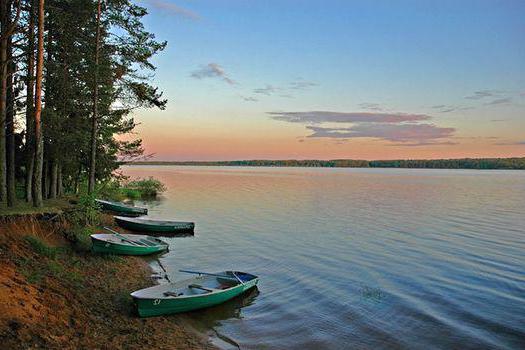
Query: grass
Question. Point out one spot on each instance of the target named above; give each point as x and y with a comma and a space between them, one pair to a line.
42, 248
51, 206
51, 262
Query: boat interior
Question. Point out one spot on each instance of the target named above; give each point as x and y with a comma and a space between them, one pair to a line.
128, 239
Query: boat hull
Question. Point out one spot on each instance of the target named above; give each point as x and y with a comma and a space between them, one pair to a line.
122, 209
183, 227
100, 246
148, 307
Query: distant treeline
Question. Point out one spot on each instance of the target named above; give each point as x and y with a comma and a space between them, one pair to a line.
465, 163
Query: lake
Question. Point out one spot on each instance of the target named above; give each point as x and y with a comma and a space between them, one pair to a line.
354, 258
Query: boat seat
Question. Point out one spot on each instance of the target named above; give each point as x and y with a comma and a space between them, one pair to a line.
197, 286
146, 242
172, 294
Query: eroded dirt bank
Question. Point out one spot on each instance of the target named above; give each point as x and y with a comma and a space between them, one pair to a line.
56, 294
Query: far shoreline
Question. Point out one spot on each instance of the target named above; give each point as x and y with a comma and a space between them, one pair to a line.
515, 163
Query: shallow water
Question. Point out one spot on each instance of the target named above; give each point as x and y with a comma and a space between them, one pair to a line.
355, 258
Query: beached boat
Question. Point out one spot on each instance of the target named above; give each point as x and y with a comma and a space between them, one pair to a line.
125, 244
205, 290
121, 208
158, 226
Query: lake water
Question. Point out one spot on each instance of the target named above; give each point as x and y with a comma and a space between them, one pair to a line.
354, 258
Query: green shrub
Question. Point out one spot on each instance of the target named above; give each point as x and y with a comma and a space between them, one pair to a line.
111, 190
79, 236
147, 188
120, 188
131, 193
87, 211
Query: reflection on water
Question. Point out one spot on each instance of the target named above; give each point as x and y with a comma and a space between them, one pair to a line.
355, 258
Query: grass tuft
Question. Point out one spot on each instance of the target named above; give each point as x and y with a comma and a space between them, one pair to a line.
41, 248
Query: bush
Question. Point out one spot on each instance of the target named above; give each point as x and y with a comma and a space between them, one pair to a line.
86, 213
120, 189
79, 236
111, 190
147, 188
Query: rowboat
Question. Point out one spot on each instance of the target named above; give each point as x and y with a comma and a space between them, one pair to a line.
125, 244
202, 291
122, 208
150, 225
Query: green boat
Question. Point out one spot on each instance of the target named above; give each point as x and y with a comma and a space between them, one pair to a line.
121, 208
150, 225
125, 244
205, 290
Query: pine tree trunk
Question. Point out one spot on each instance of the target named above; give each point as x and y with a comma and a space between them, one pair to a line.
10, 127
60, 186
30, 85
39, 147
94, 126
3, 92
45, 179
77, 178
53, 179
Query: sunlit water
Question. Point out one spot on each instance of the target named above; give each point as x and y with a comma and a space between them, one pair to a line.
355, 258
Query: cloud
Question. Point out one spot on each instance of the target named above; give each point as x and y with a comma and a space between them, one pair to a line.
449, 108
317, 117
401, 129
412, 134
301, 84
284, 91
249, 98
518, 143
267, 90
212, 70
371, 106
172, 9
478, 95
500, 101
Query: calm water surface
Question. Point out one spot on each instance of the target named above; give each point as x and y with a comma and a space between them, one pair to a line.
355, 258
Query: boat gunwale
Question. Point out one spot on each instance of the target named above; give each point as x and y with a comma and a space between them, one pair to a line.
152, 222
123, 205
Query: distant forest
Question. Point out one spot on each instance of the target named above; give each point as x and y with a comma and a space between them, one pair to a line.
465, 163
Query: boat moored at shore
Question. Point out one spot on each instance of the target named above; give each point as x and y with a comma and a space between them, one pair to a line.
154, 226
121, 208
205, 290
127, 244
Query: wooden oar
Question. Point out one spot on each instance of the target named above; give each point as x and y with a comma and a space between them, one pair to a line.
212, 274
123, 238
238, 279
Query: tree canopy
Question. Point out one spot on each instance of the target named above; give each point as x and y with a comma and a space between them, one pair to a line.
96, 70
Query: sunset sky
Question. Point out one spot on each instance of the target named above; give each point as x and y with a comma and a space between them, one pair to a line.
249, 79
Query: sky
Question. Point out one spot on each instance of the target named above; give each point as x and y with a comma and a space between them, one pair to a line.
300, 79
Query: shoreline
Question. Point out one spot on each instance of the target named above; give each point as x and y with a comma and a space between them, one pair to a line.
511, 163
55, 293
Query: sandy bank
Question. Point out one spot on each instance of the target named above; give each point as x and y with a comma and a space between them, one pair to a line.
56, 294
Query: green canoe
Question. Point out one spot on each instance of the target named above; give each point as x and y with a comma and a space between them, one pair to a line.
159, 226
121, 208
191, 294
125, 244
